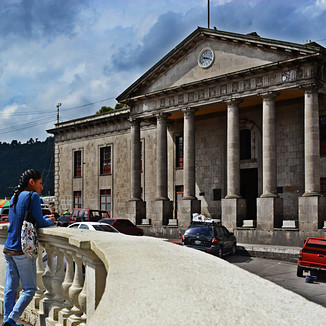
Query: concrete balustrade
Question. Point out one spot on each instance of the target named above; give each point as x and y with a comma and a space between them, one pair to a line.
146, 281
72, 282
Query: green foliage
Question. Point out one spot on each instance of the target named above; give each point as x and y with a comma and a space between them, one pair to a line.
105, 109
15, 158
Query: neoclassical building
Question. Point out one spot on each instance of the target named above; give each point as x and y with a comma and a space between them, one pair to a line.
228, 125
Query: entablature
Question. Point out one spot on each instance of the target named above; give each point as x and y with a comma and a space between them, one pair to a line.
278, 77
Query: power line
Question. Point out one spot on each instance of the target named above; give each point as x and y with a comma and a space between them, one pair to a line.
26, 125
42, 111
47, 118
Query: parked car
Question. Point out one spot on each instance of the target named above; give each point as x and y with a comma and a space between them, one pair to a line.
86, 214
4, 211
312, 256
94, 226
123, 225
210, 237
62, 220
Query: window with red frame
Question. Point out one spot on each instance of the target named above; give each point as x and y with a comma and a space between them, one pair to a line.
105, 200
77, 164
77, 199
105, 160
178, 197
322, 126
179, 151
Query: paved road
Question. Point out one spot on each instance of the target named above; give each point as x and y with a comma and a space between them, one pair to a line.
284, 274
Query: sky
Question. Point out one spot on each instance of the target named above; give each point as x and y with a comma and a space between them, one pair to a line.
85, 53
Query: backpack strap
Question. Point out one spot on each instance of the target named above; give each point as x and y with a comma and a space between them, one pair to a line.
29, 209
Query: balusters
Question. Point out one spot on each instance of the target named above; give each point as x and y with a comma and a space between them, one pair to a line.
74, 291
57, 281
39, 273
69, 277
49, 294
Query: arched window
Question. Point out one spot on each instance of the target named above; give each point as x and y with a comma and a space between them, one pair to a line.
245, 144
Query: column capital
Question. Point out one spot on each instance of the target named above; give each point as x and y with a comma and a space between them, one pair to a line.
161, 115
269, 95
189, 110
134, 121
310, 88
233, 101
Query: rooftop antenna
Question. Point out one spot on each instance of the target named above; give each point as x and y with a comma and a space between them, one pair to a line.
58, 106
208, 11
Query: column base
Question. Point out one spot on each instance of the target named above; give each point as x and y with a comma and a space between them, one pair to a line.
312, 210
186, 207
136, 211
162, 212
233, 212
269, 213
311, 194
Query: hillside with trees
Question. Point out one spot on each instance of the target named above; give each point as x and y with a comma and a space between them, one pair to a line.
16, 157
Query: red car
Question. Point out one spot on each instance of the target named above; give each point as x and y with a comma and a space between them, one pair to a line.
123, 225
87, 215
312, 256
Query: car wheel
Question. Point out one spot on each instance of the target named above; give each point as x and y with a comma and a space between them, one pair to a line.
300, 271
220, 252
234, 249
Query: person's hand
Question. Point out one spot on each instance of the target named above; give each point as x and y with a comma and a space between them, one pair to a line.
52, 218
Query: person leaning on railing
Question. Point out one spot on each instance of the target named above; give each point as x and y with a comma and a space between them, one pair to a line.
18, 265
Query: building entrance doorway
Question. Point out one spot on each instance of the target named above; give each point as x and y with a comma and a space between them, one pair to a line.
249, 191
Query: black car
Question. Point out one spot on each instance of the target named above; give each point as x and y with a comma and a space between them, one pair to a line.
210, 237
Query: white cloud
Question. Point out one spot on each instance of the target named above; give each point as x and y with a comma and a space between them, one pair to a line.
79, 51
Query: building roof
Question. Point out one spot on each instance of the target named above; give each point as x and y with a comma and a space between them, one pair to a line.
253, 39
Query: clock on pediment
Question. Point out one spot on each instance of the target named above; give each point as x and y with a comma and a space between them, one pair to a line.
206, 58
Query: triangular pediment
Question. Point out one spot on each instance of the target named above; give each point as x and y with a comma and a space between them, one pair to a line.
229, 52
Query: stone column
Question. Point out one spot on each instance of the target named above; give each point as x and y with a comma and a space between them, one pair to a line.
233, 150
269, 206
269, 147
233, 206
161, 160
162, 212
189, 203
311, 142
311, 205
189, 154
135, 160
136, 207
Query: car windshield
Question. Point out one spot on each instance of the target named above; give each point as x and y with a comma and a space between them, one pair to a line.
206, 231
106, 228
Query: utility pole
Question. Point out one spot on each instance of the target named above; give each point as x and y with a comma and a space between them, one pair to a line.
208, 4
58, 106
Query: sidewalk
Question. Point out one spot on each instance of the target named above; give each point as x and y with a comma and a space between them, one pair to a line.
269, 251
264, 251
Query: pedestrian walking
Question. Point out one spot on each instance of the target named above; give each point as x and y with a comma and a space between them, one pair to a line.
18, 265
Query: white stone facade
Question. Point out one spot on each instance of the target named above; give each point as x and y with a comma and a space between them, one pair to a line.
274, 91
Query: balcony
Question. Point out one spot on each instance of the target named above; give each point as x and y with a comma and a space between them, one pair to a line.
99, 278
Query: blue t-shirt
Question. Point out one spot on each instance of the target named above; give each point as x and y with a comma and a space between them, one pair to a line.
16, 218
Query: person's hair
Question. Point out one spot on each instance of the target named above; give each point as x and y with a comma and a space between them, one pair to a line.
23, 182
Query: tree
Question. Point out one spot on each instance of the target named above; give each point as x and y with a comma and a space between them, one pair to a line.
104, 109
118, 106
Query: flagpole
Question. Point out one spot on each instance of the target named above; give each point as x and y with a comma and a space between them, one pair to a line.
208, 11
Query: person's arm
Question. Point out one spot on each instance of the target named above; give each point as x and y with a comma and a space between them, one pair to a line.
40, 220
